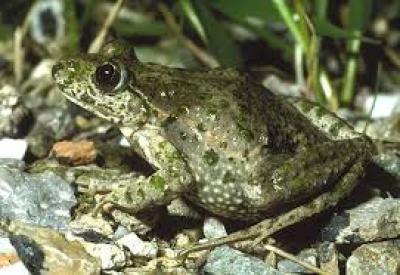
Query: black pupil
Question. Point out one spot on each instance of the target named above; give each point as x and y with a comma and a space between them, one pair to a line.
108, 76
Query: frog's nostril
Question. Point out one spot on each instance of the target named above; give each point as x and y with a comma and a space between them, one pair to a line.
56, 68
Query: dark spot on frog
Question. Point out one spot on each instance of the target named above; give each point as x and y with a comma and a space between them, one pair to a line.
306, 106
169, 120
223, 145
228, 177
201, 127
183, 135
210, 157
334, 129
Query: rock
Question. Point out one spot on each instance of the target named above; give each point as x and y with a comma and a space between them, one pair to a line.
138, 247
132, 223
15, 118
52, 124
9, 261
287, 266
213, 228
111, 256
87, 222
46, 251
17, 268
389, 162
224, 260
384, 105
43, 199
375, 258
13, 148
74, 152
180, 208
12, 163
8, 255
374, 220
329, 258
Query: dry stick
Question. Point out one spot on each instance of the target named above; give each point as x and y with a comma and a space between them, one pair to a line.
19, 53
203, 56
98, 42
293, 258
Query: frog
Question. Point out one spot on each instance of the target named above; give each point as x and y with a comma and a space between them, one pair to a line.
216, 137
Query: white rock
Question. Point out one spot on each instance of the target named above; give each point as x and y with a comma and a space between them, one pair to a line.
17, 268
110, 255
6, 246
138, 247
213, 228
385, 104
13, 148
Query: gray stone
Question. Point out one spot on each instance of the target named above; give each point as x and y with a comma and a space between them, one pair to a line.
43, 199
287, 266
389, 162
52, 124
15, 118
227, 261
381, 258
374, 220
12, 163
329, 258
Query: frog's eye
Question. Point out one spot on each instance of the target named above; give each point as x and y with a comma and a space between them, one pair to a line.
111, 77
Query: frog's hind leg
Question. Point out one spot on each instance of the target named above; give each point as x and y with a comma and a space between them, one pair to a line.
267, 227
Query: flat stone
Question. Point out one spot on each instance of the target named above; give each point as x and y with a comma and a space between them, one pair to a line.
374, 220
375, 258
224, 260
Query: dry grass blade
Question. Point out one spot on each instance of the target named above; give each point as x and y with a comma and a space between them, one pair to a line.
98, 42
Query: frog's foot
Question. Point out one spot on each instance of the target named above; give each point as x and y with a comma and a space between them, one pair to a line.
267, 227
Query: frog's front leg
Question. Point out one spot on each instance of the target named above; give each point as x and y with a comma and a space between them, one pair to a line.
169, 180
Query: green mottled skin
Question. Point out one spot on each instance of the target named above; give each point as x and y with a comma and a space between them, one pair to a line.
216, 137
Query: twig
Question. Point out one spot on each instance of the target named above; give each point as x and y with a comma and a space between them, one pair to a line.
199, 53
293, 258
97, 43
19, 52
